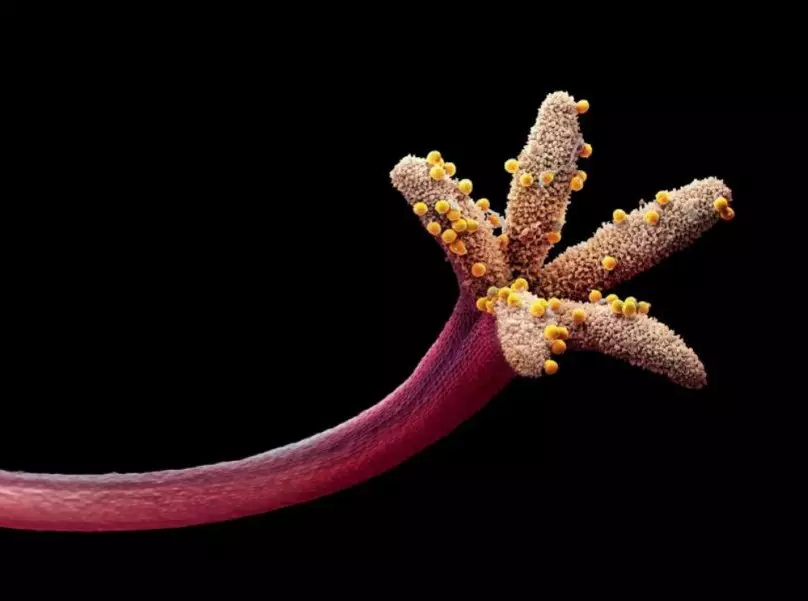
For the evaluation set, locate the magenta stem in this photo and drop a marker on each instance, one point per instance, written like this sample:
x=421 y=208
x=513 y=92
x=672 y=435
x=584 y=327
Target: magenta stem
x=459 y=374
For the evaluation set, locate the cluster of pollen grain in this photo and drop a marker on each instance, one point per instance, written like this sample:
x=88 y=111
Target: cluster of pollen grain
x=544 y=176
x=533 y=336
x=640 y=340
x=448 y=213
x=629 y=307
x=510 y=295
x=537 y=327
x=636 y=241
x=533 y=332
x=493 y=218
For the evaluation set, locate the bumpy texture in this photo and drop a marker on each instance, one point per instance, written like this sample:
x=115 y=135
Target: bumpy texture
x=535 y=211
x=640 y=340
x=634 y=243
x=412 y=178
x=474 y=357
x=522 y=337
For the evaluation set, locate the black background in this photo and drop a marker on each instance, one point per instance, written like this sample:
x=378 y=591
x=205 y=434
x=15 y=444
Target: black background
x=210 y=261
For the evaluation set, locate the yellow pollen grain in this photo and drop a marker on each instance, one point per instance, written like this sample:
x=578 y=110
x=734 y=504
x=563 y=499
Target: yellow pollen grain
x=537 y=309
x=437 y=172
x=514 y=300
x=420 y=209
x=519 y=284
x=458 y=247
x=558 y=347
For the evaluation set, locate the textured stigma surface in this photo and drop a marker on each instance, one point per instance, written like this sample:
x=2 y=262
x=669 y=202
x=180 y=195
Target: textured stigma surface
x=498 y=329
x=539 y=209
x=635 y=244
x=638 y=339
x=465 y=248
x=459 y=374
